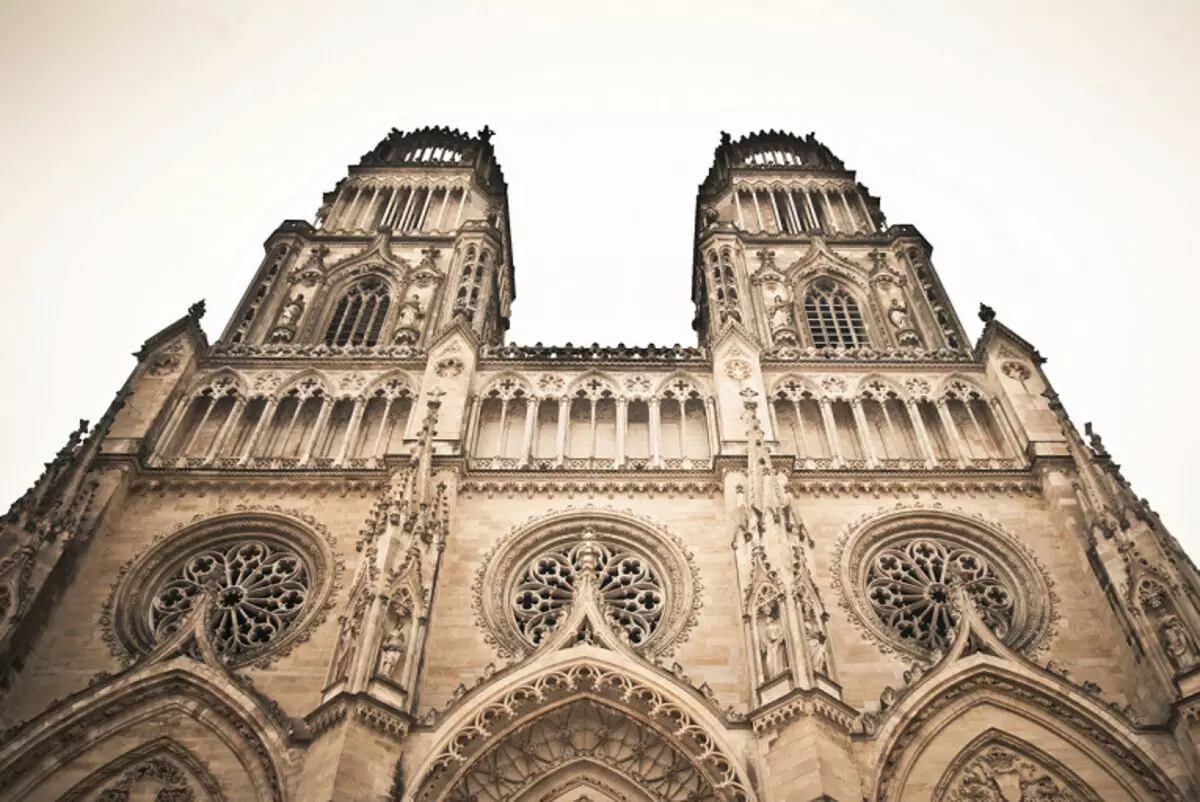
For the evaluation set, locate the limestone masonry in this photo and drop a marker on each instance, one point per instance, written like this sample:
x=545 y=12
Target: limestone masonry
x=361 y=548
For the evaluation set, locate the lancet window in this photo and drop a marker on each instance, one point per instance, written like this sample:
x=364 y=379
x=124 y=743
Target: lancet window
x=206 y=419
x=882 y=428
x=398 y=209
x=833 y=316
x=811 y=210
x=302 y=427
x=724 y=286
x=470 y=282
x=592 y=426
x=260 y=294
x=359 y=315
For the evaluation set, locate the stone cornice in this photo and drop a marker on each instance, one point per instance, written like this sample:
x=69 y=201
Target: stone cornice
x=800 y=702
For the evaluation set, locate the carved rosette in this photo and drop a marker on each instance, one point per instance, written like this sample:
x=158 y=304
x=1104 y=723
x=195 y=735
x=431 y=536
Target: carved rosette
x=647 y=579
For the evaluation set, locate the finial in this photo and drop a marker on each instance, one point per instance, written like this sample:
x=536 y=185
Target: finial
x=485 y=134
x=986 y=313
x=726 y=138
x=196 y=310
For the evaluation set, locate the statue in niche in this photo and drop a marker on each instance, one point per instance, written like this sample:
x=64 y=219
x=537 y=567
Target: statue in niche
x=394 y=646
x=898 y=314
x=343 y=653
x=816 y=641
x=772 y=646
x=1178 y=644
x=780 y=313
x=410 y=313
x=787 y=510
x=408 y=321
x=292 y=311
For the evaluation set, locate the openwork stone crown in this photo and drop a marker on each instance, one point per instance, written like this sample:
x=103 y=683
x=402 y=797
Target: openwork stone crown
x=644 y=577
x=897 y=575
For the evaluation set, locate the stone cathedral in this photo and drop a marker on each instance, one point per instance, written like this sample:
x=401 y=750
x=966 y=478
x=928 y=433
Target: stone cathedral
x=360 y=547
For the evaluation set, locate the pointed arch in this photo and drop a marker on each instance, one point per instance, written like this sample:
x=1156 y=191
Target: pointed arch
x=890 y=426
x=583 y=681
x=960 y=702
x=202 y=419
x=209 y=716
x=164 y=760
x=800 y=424
x=359 y=309
x=996 y=759
x=834 y=315
x=503 y=422
x=591 y=425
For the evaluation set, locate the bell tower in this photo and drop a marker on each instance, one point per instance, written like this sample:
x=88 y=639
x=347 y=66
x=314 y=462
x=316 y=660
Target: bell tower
x=415 y=236
x=788 y=248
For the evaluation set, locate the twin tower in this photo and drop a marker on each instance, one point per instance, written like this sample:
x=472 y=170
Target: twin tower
x=361 y=548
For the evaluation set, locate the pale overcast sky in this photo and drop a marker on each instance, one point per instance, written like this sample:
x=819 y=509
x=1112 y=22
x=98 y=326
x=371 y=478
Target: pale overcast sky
x=1049 y=151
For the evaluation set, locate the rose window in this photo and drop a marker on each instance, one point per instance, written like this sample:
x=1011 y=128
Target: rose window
x=909 y=588
x=628 y=585
x=262 y=588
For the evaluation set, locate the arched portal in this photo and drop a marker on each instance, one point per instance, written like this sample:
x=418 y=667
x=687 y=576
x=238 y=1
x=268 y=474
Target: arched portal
x=585 y=741
x=578 y=726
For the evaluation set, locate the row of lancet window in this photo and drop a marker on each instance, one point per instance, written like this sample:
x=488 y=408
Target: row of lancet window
x=359 y=315
x=260 y=294
x=304 y=426
x=833 y=316
x=593 y=428
x=398 y=209
x=833 y=210
x=881 y=429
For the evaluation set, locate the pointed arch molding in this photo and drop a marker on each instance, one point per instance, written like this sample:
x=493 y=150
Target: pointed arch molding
x=163 y=756
x=1048 y=702
x=1009 y=565
x=993 y=754
x=665 y=554
x=125 y=616
x=178 y=689
x=561 y=684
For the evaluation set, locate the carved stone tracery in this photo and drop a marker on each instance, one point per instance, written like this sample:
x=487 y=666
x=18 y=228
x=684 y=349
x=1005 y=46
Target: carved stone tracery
x=647 y=578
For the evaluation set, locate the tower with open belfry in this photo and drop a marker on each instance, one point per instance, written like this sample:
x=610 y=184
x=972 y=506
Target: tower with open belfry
x=359 y=547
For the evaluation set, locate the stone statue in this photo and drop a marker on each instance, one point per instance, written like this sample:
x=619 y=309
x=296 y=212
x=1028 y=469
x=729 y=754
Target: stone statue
x=773 y=647
x=781 y=314
x=292 y=311
x=343 y=654
x=898 y=314
x=391 y=651
x=1178 y=644
x=410 y=314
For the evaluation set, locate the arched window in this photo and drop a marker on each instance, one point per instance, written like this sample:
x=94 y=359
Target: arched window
x=359 y=315
x=834 y=320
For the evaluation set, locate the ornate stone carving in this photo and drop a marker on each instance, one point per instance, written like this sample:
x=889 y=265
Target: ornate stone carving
x=1001 y=774
x=288 y=552
x=628 y=585
x=449 y=368
x=614 y=705
x=262 y=588
x=895 y=571
x=737 y=369
x=648 y=578
x=908 y=586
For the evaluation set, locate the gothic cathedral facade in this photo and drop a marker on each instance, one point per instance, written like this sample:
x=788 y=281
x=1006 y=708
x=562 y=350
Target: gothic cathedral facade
x=361 y=548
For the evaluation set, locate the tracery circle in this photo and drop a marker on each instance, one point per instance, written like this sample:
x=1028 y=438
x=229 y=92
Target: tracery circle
x=628 y=584
x=261 y=589
x=645 y=574
x=909 y=587
x=898 y=574
x=272 y=575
